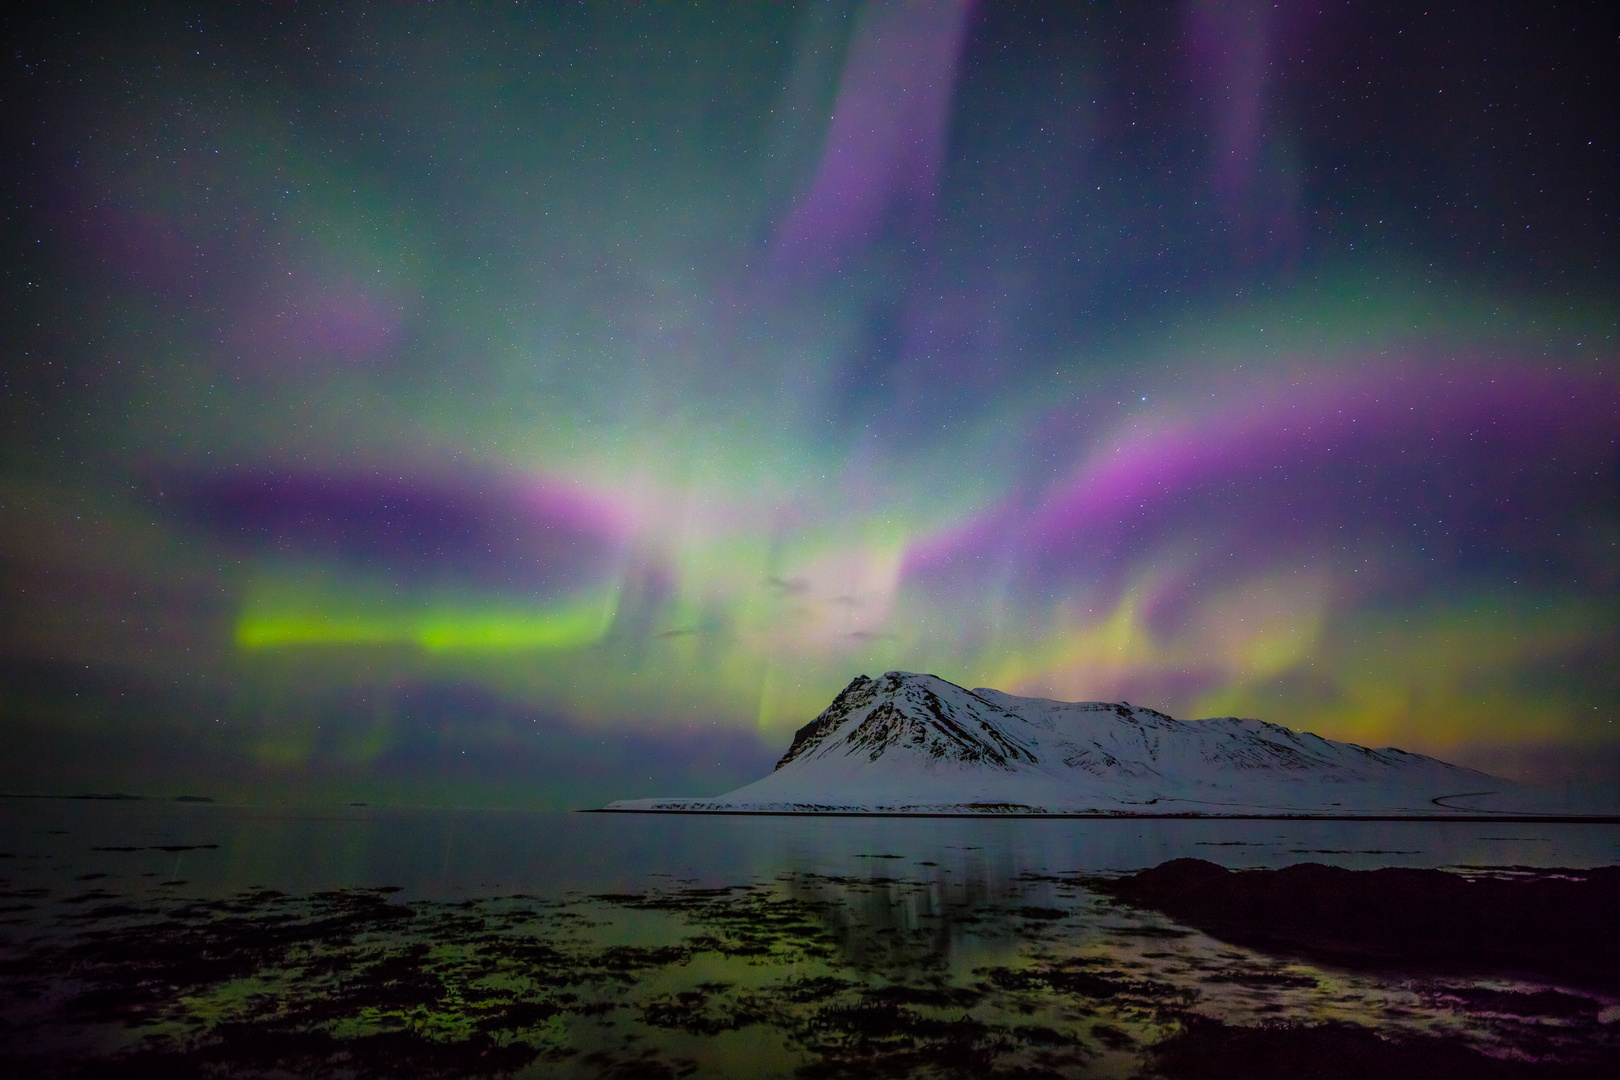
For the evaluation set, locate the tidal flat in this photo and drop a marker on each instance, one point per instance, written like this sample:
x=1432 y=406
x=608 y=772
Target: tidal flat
x=991 y=950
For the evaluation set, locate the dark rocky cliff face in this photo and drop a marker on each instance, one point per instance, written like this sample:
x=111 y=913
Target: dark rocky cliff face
x=858 y=693
x=920 y=713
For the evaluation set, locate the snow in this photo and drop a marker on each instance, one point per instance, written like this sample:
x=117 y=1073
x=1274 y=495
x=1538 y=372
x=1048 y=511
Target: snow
x=908 y=743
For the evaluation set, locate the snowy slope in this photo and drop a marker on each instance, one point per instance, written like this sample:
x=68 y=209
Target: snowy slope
x=908 y=743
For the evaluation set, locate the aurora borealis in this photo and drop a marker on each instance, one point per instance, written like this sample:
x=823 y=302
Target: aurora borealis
x=543 y=405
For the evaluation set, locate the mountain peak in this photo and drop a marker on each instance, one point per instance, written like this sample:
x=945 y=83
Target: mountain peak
x=916 y=715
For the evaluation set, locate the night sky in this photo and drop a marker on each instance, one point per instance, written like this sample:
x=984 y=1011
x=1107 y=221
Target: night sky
x=543 y=405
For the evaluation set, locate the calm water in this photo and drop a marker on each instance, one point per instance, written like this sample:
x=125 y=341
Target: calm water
x=448 y=854
x=627 y=945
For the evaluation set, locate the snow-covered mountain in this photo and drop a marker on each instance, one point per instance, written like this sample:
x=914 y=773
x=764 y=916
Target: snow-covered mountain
x=916 y=744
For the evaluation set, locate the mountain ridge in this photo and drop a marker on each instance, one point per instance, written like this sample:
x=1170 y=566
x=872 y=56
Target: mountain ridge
x=914 y=743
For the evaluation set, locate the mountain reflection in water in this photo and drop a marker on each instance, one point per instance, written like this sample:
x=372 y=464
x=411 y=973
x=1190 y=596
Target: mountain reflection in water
x=923 y=950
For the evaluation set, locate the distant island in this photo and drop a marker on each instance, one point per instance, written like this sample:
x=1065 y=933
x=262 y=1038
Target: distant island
x=916 y=744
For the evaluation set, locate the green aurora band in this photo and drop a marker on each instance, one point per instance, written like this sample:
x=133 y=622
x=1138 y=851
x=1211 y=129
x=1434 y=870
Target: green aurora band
x=550 y=406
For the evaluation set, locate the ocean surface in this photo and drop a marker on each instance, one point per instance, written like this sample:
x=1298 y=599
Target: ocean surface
x=447 y=854
x=557 y=944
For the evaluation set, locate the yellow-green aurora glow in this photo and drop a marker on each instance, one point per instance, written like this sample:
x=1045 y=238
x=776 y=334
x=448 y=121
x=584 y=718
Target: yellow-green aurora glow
x=559 y=405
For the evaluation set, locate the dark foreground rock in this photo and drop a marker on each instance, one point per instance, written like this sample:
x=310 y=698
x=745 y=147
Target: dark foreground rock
x=1210 y=1050
x=1563 y=924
